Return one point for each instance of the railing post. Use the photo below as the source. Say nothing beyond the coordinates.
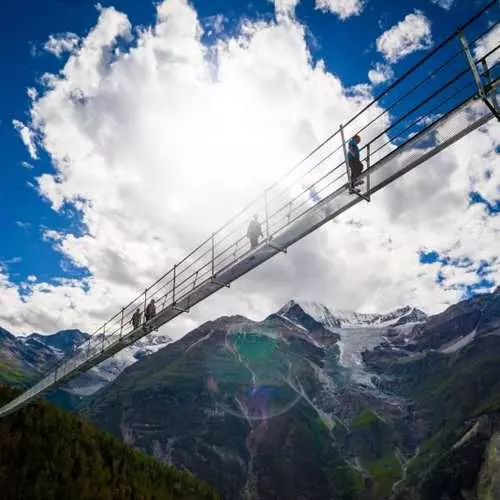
(344, 149)
(145, 300)
(121, 323)
(213, 255)
(266, 208)
(173, 287)
(487, 74)
(475, 74)
(103, 337)
(368, 171)
(268, 235)
(165, 301)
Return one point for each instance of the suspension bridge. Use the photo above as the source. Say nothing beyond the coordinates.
(448, 94)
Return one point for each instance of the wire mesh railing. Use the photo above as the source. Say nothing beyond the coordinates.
(402, 125)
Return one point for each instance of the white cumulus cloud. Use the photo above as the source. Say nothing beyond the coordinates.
(27, 136)
(58, 45)
(23, 225)
(215, 24)
(409, 35)
(285, 7)
(380, 73)
(445, 4)
(489, 43)
(342, 8)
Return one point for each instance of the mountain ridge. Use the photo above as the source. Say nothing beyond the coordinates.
(233, 395)
(26, 358)
(356, 406)
(344, 319)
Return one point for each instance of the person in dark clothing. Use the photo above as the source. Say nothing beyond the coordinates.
(354, 162)
(151, 310)
(136, 319)
(254, 232)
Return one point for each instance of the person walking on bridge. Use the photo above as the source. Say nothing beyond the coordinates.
(136, 319)
(354, 162)
(151, 310)
(254, 232)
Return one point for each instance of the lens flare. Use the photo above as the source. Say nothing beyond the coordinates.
(252, 378)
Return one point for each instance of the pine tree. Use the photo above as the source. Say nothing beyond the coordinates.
(46, 453)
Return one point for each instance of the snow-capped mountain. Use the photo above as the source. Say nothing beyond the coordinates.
(353, 332)
(356, 332)
(346, 319)
(36, 354)
(64, 341)
(96, 378)
(309, 314)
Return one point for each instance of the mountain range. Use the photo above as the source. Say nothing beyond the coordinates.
(24, 359)
(313, 403)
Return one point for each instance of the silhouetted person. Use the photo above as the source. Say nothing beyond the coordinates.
(136, 319)
(354, 162)
(254, 232)
(151, 310)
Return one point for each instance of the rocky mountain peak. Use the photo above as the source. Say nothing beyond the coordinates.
(4, 334)
(297, 310)
(309, 315)
(65, 340)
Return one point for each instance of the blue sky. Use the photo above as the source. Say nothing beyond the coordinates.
(347, 47)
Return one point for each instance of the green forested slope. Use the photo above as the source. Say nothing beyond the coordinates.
(46, 453)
